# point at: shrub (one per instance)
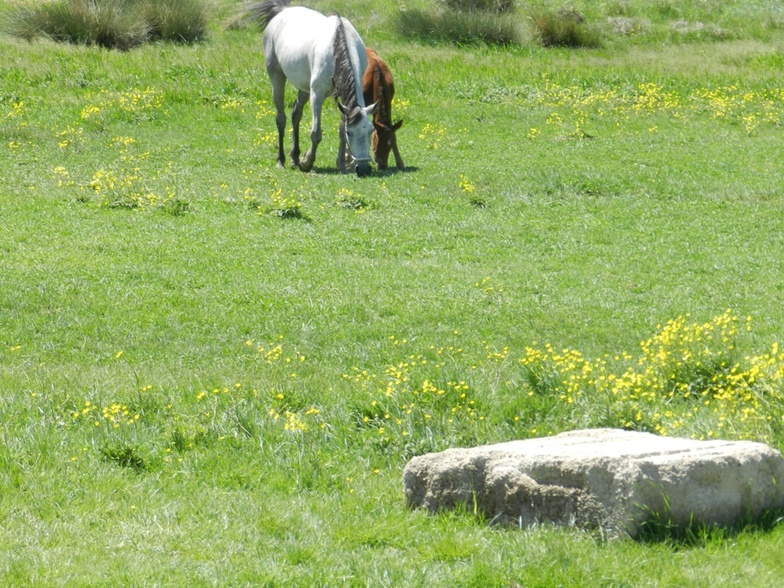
(497, 6)
(115, 24)
(177, 20)
(458, 27)
(107, 23)
(563, 29)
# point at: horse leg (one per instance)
(343, 155)
(315, 132)
(278, 92)
(398, 159)
(296, 117)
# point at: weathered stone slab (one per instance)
(606, 478)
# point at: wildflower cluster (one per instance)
(487, 286)
(276, 202)
(113, 415)
(63, 176)
(281, 366)
(401, 106)
(467, 185)
(272, 352)
(285, 206)
(571, 106)
(17, 110)
(71, 136)
(687, 378)
(127, 189)
(264, 110)
(221, 400)
(349, 199)
(16, 118)
(135, 104)
(267, 136)
(123, 185)
(410, 396)
(296, 422)
(180, 423)
(750, 108)
(230, 103)
(469, 189)
(432, 135)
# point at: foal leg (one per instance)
(398, 159)
(315, 132)
(296, 117)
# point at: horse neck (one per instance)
(346, 79)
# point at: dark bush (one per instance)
(563, 29)
(107, 24)
(497, 6)
(458, 27)
(116, 24)
(177, 20)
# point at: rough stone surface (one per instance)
(602, 478)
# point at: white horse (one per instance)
(321, 56)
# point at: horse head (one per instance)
(358, 130)
(384, 142)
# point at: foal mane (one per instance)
(382, 113)
(344, 79)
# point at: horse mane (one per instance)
(344, 79)
(264, 11)
(382, 112)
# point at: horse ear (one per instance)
(369, 109)
(342, 108)
(397, 125)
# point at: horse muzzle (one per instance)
(363, 168)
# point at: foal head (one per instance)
(384, 142)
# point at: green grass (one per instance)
(213, 371)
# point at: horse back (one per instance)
(299, 42)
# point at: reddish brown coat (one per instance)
(378, 87)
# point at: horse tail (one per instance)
(264, 11)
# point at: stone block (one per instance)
(603, 478)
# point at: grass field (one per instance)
(213, 371)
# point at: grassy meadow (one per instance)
(213, 371)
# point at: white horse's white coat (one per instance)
(298, 47)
